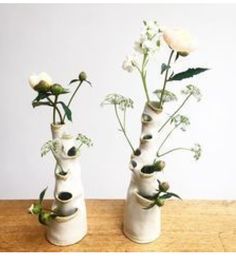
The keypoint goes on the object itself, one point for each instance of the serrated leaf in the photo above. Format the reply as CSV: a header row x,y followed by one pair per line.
x,y
68,112
187,74
73,81
164,67
42,194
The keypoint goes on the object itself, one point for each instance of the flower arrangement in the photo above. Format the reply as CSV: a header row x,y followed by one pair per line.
x,y
68,211
147,160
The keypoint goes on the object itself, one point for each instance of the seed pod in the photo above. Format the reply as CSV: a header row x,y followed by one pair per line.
x,y
82,76
159,165
164,186
159,202
57,89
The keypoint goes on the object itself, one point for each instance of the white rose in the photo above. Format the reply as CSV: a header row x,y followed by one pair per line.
x,y
35,79
130,63
179,40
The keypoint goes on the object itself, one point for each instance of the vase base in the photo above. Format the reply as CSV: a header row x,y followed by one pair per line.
x,y
65,243
138,240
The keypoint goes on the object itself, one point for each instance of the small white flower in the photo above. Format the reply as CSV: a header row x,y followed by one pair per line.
x,y
138,45
35,79
179,40
152,28
149,46
130,63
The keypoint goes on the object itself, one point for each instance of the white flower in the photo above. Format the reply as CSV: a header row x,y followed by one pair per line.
x,y
146,43
138,45
130,63
179,40
151,28
35,79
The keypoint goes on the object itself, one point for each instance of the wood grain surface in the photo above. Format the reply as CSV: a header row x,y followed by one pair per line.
x,y
195,226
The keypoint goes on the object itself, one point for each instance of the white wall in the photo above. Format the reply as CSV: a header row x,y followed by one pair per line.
x,y
65,39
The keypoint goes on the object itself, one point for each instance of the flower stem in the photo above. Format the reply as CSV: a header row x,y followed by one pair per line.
x,y
122,128
72,97
54,109
57,109
167,136
143,76
165,80
172,150
176,111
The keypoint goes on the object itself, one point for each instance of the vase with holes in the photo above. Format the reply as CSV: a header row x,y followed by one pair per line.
x,y
160,120
66,219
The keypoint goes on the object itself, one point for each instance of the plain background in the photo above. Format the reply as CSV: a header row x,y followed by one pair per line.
x,y
66,39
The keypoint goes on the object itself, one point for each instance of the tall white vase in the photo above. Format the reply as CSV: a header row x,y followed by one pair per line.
x,y
144,225
71,224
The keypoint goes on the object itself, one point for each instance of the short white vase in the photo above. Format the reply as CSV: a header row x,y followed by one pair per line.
x,y
71,224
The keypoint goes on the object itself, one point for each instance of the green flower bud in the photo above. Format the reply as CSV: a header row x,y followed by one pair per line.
x,y
45,218
159,165
35,208
42,86
159,202
57,89
164,186
82,76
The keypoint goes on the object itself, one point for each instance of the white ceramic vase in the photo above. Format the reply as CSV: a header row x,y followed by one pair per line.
x,y
71,224
144,225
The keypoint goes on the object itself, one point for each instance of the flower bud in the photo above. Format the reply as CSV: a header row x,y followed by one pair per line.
x,y
159,202
45,218
159,165
35,209
164,186
57,89
42,86
82,76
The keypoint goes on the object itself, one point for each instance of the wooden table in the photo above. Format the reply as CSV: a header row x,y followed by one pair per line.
x,y
186,226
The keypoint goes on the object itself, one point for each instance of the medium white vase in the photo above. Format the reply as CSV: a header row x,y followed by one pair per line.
x,y
71,224
144,225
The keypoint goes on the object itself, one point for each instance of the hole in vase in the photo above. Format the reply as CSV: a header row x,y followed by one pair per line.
x,y
137,152
146,118
72,151
148,169
154,105
65,196
147,137
133,163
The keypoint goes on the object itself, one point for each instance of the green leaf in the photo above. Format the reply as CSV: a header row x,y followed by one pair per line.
x,y
42,194
169,195
38,103
68,112
74,81
41,96
187,74
164,67
46,217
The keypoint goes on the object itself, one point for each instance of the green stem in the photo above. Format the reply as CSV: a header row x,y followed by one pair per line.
x,y
57,109
165,80
123,129
124,121
54,109
176,111
143,76
72,97
172,150
167,136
